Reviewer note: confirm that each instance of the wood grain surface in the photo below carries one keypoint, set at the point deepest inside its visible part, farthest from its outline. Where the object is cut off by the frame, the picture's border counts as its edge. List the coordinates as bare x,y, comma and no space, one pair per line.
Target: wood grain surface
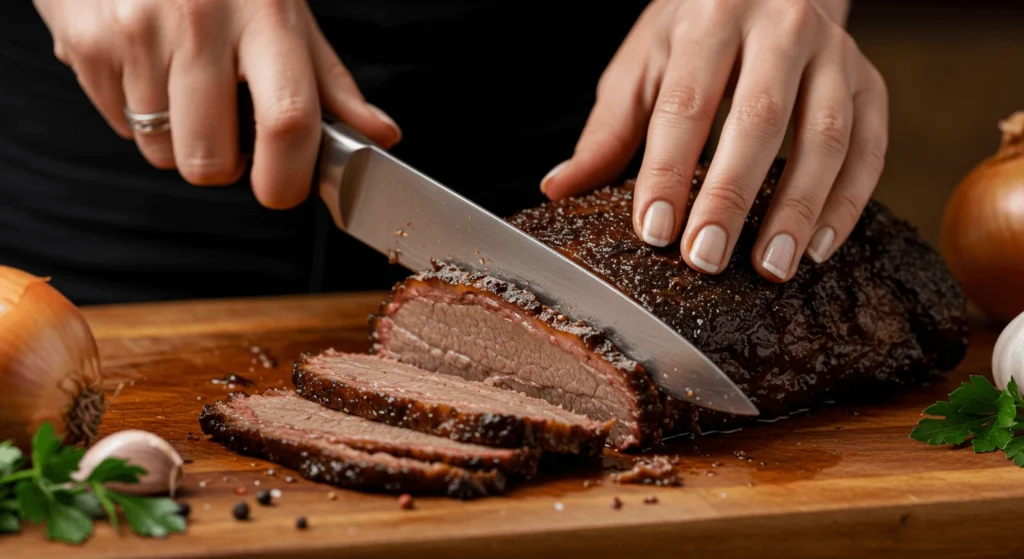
845,481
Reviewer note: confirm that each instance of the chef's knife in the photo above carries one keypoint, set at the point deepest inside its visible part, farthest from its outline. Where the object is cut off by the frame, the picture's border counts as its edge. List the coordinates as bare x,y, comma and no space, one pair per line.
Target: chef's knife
372,195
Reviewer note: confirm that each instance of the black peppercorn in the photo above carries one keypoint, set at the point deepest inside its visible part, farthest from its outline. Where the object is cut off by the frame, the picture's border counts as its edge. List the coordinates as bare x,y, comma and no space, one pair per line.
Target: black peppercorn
301,523
184,509
241,511
263,497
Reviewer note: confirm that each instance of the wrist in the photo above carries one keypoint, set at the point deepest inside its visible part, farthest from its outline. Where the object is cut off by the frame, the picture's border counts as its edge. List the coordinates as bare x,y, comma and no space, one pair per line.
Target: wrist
836,10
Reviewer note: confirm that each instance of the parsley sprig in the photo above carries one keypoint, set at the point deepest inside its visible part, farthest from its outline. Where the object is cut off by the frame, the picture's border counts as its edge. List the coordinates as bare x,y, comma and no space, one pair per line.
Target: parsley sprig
981,411
46,493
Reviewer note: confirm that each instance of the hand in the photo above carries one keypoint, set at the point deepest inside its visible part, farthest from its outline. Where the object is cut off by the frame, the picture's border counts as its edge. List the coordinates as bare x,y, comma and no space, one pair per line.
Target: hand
187,57
667,80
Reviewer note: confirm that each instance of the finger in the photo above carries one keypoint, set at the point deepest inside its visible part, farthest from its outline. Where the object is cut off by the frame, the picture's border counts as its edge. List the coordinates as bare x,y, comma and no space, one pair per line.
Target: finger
694,84
751,137
342,98
612,134
204,115
85,49
145,89
860,172
615,126
275,62
101,83
823,124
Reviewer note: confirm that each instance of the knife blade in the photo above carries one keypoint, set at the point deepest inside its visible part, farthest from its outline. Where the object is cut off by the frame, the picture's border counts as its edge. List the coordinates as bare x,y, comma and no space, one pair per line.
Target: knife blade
371,195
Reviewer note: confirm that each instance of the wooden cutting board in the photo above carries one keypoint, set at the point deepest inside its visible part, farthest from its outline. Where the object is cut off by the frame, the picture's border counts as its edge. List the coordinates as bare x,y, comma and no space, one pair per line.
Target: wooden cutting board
840,482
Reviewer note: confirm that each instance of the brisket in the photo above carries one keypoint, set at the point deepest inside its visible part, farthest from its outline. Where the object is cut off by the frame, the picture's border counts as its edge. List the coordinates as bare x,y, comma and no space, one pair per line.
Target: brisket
480,328
265,427
402,395
883,313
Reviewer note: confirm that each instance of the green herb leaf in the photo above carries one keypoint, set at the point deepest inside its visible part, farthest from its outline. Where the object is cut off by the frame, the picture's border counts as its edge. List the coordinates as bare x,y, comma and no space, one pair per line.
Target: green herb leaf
44,444
1006,410
34,504
62,463
1014,391
1015,451
103,498
10,458
116,469
89,504
68,524
953,430
9,522
155,517
990,437
944,409
976,397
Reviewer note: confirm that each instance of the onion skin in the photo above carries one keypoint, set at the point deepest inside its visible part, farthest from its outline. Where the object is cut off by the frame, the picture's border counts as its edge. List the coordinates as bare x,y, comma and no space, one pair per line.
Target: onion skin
49,363
982,237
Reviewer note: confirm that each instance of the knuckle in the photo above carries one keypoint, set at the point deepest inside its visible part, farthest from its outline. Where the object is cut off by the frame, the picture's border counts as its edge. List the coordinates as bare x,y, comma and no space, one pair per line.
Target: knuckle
873,154
132,19
801,208
829,130
762,115
85,45
291,116
203,170
797,17
681,102
195,18
278,9
664,172
849,208
60,52
727,195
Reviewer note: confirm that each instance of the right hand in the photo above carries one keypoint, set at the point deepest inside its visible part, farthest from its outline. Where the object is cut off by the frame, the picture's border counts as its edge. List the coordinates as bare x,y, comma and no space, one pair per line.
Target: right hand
188,56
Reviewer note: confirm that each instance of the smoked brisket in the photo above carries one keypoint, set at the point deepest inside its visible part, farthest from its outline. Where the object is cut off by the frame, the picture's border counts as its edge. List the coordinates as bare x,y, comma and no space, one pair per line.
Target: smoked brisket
881,314
326,446
402,395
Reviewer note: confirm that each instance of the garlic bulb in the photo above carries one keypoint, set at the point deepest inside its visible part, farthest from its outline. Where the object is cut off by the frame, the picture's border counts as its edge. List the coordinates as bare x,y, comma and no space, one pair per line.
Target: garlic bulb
49,363
1008,355
162,463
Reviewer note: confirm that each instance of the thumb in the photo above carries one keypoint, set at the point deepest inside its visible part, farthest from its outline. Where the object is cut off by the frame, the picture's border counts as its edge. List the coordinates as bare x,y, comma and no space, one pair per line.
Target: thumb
341,98
614,131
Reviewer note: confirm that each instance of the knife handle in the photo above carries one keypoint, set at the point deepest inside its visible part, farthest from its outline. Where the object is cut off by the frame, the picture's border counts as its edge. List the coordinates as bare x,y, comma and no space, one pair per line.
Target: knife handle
341,149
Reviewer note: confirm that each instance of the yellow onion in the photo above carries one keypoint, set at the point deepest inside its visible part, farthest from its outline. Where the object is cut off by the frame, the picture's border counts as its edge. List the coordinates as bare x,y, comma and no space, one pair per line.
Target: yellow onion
982,235
49,363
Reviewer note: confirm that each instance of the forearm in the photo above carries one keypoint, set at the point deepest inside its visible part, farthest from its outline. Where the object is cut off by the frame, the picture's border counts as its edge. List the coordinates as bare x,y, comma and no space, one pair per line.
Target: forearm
836,10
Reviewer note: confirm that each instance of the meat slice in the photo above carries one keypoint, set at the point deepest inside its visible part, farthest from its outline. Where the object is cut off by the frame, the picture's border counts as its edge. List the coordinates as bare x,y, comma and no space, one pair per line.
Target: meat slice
480,328
286,430
402,395
284,407
882,313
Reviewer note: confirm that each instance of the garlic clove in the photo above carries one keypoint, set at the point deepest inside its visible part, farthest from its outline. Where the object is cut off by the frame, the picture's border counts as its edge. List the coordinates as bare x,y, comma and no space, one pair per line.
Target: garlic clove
162,463
1008,355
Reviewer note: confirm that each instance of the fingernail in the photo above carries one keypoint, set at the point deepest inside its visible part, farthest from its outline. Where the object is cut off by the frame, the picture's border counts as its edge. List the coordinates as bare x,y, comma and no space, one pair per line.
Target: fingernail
709,248
658,224
386,118
820,244
551,174
779,256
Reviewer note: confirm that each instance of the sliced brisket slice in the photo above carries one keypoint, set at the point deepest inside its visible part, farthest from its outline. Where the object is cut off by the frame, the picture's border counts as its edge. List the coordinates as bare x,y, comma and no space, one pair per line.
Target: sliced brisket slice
480,328
265,426
402,395
284,407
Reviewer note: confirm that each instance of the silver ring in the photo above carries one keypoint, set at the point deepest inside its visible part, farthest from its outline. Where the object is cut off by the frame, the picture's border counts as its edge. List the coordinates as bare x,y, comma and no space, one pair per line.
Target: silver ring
147,123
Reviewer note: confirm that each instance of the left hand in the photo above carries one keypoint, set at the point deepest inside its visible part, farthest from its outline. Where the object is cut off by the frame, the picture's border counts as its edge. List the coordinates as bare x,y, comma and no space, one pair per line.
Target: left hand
667,80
